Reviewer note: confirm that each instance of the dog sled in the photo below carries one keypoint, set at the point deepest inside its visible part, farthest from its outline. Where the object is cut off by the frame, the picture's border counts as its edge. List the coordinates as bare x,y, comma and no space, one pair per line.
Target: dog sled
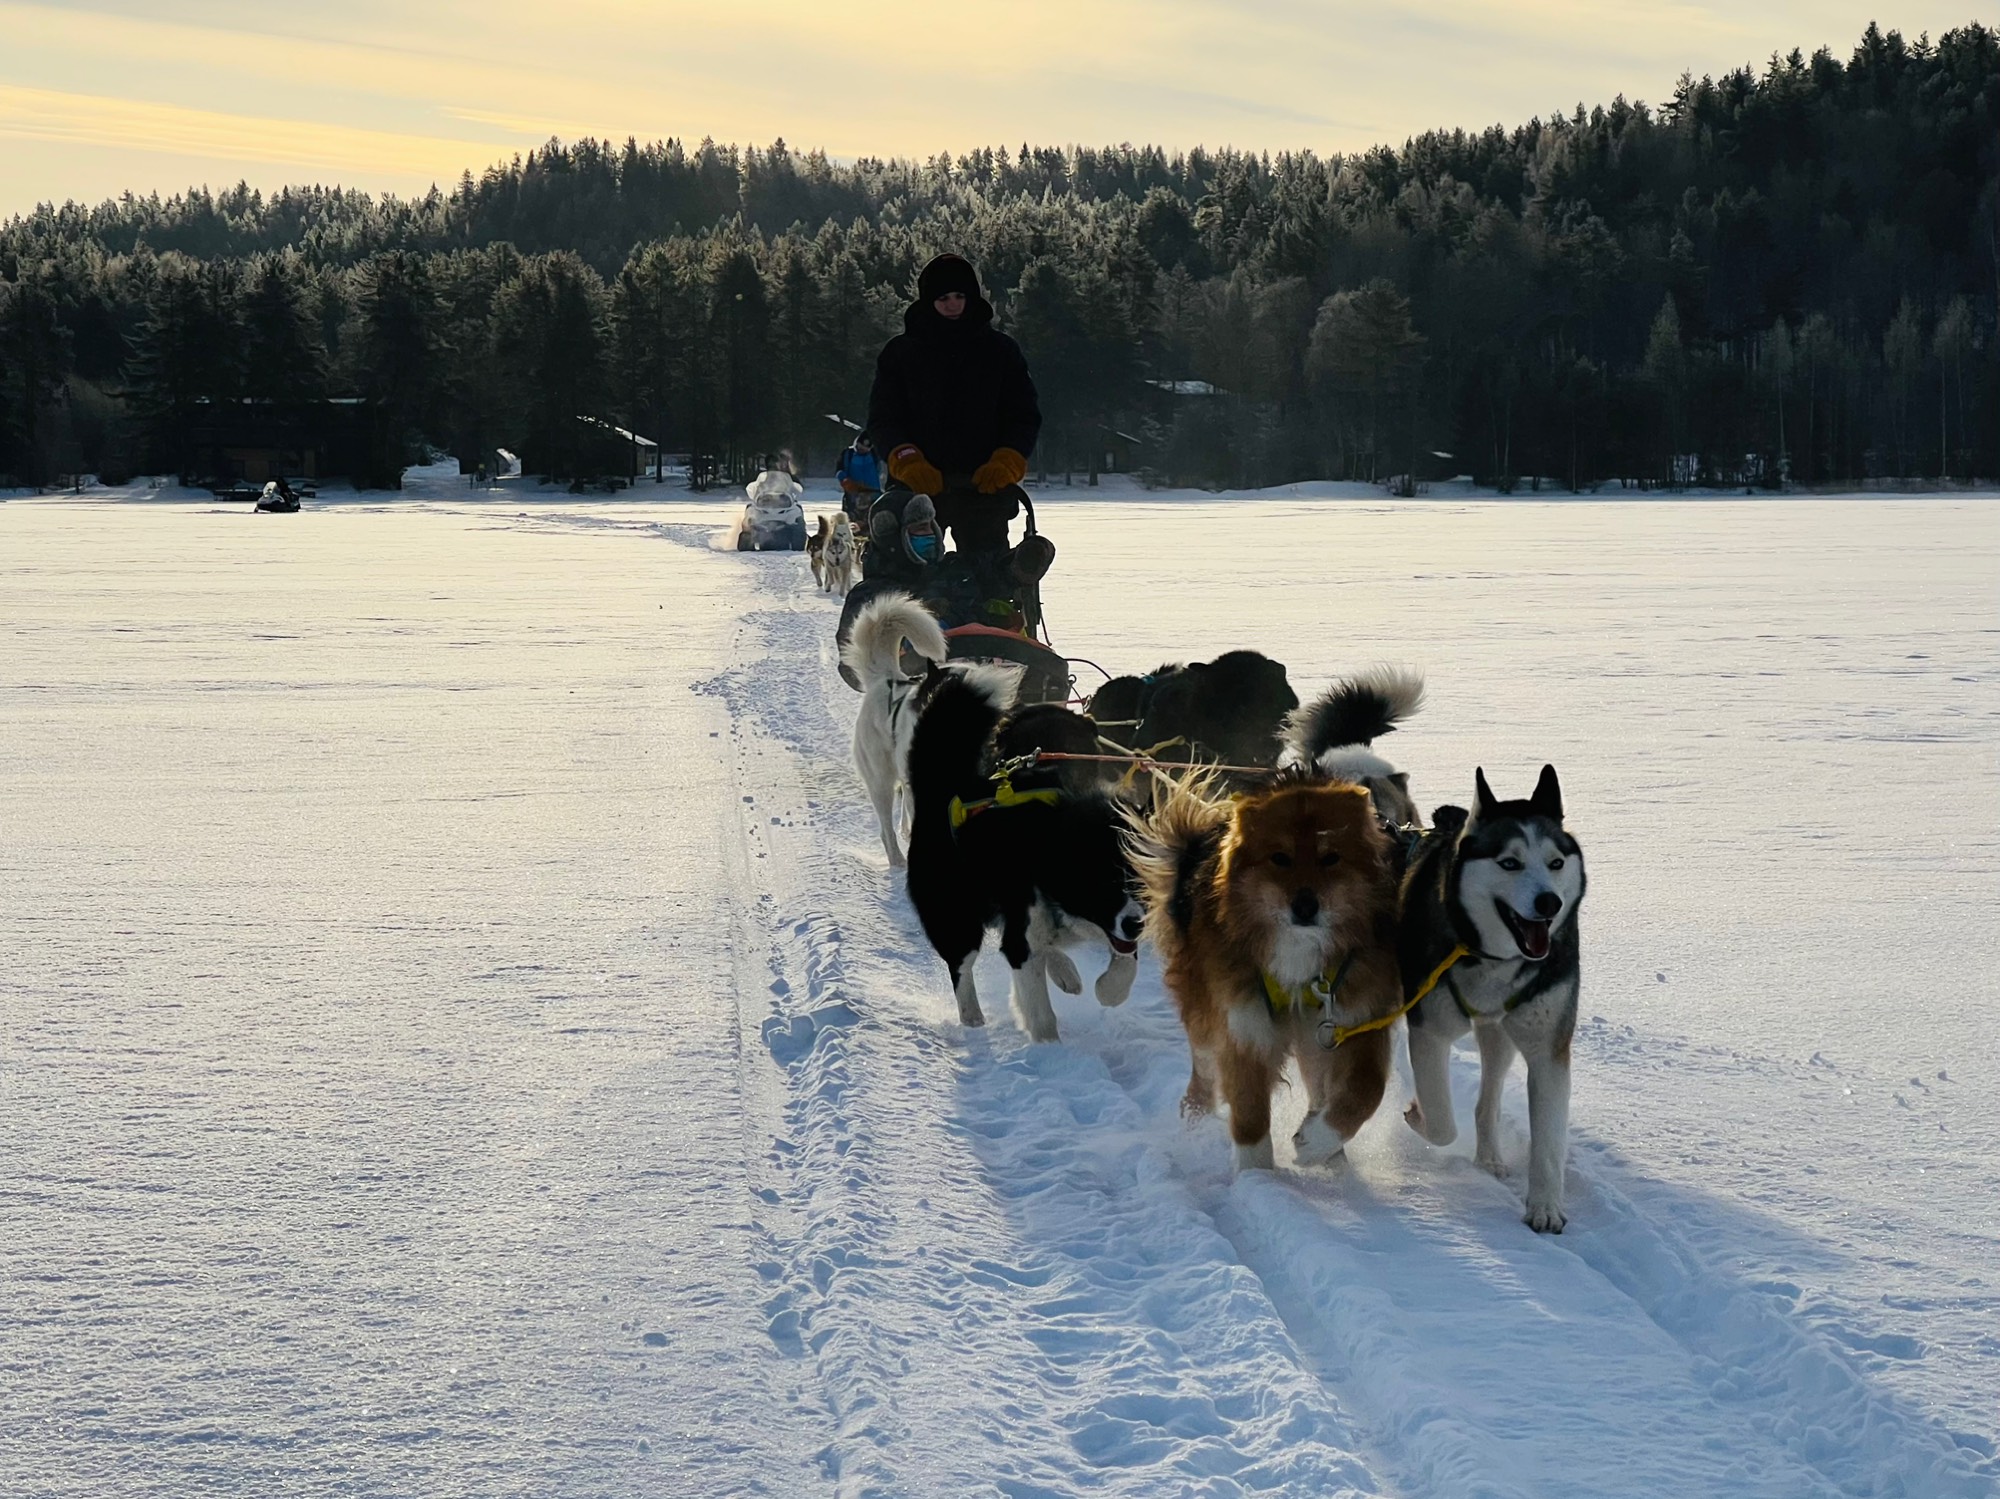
1045,675
990,606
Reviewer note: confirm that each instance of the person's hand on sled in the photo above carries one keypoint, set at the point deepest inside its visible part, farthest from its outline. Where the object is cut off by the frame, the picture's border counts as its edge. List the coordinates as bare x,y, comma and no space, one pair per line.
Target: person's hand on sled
908,465
1003,470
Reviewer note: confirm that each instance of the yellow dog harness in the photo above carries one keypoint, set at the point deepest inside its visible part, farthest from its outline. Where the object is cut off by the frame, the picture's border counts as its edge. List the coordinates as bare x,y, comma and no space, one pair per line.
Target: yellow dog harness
1004,795
1323,991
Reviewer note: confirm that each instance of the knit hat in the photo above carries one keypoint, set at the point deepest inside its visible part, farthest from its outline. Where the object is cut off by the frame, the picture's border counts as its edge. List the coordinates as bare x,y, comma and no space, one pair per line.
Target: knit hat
948,273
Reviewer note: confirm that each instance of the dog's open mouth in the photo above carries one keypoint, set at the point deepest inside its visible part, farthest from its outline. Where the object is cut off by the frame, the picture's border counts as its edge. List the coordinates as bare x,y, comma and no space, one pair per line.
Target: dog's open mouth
1532,937
1123,947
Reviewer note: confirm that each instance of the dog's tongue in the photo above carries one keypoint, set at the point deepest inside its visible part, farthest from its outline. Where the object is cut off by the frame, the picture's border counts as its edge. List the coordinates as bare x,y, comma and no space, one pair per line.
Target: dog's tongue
1120,945
1534,937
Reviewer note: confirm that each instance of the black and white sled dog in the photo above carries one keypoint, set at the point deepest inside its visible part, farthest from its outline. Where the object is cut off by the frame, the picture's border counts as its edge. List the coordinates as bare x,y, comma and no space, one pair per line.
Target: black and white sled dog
1229,711
1488,921
874,653
1333,733
1042,857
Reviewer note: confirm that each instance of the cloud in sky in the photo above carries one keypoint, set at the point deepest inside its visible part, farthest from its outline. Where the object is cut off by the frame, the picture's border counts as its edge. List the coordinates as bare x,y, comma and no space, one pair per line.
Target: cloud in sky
97,96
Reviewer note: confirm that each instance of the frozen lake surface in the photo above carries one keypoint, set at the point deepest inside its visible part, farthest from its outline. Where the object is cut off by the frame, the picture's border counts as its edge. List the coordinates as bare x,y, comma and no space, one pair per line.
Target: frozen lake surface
460,1037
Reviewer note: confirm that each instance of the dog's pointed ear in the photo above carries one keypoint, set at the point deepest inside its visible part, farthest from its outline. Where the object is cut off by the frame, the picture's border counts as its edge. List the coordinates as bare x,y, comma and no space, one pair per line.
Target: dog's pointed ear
1548,797
1483,800
1402,780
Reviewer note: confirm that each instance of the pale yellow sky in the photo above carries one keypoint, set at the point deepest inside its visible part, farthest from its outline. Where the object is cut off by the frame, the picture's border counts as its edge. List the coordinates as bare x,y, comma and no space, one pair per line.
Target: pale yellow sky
100,96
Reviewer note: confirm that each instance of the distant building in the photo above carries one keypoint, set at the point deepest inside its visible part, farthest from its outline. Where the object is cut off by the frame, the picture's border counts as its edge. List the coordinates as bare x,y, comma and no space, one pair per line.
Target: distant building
592,449
613,451
253,440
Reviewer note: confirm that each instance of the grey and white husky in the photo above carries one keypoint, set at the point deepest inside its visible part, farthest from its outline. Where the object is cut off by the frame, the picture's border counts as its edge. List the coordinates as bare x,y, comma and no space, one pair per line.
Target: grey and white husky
1488,919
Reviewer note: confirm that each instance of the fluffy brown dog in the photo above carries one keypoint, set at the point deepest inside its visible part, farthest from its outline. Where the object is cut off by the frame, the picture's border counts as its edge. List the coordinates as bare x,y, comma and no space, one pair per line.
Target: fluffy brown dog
1275,914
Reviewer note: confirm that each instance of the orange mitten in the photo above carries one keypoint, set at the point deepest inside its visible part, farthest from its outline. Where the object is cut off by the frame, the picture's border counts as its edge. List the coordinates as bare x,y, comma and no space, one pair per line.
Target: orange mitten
908,465
1006,467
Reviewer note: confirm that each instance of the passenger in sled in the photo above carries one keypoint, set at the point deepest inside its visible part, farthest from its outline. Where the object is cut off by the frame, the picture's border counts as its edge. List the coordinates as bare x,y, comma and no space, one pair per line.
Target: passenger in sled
954,413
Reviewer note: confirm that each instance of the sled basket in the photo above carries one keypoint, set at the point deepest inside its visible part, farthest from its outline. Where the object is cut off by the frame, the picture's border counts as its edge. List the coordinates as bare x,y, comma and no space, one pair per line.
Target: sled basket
1044,674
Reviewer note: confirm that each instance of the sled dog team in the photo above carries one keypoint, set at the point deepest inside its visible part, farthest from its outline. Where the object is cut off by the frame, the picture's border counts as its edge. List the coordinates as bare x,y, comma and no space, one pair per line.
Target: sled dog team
1298,905
834,551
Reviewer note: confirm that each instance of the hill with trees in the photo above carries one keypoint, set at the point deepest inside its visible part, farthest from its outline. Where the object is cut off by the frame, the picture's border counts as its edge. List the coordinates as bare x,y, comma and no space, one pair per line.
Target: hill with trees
1789,274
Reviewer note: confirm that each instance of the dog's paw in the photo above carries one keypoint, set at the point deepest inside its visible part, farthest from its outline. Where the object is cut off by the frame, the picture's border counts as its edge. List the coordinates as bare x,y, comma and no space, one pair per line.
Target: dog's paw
1195,1106
1492,1165
1062,971
1317,1142
1039,1028
1257,1157
1114,985
1545,1217
969,1012
1439,1135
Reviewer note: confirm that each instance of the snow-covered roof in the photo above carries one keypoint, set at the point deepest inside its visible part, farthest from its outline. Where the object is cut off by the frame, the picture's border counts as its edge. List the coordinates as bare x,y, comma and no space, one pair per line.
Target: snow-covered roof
631,437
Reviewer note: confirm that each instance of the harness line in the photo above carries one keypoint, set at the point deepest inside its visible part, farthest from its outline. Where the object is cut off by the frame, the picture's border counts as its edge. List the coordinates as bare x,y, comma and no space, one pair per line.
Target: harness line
1164,767
1343,1033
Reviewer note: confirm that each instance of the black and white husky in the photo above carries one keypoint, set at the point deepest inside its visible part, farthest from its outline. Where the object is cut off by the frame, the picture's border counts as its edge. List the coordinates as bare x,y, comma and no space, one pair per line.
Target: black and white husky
874,653
1044,859
1488,919
1333,734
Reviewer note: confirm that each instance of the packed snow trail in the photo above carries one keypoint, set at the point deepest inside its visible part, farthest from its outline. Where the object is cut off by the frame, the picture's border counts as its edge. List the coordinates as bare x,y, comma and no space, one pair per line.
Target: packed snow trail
461,1036
1436,1345
992,1295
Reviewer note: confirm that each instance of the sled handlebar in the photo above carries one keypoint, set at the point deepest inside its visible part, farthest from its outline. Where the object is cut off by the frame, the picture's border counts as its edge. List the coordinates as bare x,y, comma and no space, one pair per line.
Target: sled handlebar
961,483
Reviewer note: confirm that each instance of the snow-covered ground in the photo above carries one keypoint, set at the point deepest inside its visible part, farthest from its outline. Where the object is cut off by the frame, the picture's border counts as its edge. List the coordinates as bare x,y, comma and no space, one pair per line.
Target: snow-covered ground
459,1035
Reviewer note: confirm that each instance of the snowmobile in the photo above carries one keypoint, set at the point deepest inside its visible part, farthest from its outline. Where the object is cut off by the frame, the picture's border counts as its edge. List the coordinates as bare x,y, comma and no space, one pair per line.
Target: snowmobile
277,499
773,520
989,604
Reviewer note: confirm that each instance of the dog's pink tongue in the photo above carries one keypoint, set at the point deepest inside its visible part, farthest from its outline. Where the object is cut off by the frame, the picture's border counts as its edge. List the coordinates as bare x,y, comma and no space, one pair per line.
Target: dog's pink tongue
1535,939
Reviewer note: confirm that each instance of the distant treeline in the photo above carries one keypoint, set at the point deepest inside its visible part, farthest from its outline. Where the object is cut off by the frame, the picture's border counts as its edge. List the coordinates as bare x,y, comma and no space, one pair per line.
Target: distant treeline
1794,272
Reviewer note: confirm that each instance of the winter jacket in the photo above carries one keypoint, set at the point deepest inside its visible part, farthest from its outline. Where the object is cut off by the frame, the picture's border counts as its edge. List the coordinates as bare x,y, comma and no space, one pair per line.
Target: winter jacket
859,470
957,388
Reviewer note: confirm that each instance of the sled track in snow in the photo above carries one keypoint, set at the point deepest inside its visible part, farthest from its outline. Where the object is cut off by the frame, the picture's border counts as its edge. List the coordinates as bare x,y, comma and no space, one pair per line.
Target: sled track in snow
942,1203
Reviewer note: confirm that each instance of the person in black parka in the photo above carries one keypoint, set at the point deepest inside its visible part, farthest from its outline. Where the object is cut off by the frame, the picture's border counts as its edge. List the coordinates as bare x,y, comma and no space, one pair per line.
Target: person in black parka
953,402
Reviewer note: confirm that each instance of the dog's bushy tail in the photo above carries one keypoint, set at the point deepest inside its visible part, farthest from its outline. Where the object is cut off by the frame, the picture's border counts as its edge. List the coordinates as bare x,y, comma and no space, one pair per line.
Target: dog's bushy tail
874,650
1171,842
1353,711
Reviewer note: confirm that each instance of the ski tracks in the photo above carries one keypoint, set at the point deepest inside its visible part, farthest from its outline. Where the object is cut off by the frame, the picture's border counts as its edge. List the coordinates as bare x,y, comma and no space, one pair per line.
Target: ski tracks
995,1278
1009,1269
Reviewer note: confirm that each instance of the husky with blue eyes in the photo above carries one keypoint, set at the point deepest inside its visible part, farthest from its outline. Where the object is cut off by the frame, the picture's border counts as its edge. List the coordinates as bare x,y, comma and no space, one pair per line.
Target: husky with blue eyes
1487,941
